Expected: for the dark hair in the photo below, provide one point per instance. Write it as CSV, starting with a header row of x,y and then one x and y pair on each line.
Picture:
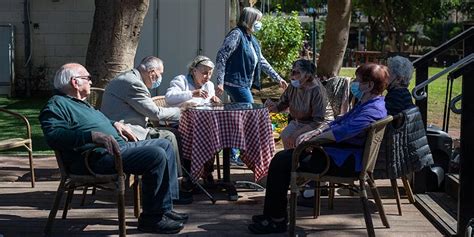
x,y
306,66
375,73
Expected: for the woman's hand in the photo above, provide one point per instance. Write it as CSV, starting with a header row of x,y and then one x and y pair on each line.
x,y
220,89
283,84
125,132
216,100
200,93
271,106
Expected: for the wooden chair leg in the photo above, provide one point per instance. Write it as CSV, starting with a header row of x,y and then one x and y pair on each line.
x,y
394,184
218,166
293,200
137,196
84,194
331,194
368,219
67,203
317,200
408,190
378,201
54,209
121,206
32,167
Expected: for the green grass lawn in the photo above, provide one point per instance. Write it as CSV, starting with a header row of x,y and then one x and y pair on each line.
x,y
31,107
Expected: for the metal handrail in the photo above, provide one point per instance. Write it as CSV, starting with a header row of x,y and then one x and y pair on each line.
x,y
452,104
460,63
443,47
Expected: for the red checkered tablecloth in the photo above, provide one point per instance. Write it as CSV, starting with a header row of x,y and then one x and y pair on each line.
x,y
205,132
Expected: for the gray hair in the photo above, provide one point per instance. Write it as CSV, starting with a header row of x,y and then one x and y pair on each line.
x,y
400,67
200,60
63,75
306,66
248,17
149,63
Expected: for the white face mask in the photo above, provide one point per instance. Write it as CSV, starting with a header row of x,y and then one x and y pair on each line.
x,y
257,26
156,83
296,83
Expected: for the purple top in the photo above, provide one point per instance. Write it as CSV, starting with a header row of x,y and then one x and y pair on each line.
x,y
349,128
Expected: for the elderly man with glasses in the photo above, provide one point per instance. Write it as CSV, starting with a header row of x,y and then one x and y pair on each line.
x,y
71,125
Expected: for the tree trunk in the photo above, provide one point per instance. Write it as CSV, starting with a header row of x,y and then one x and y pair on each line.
x,y
336,37
114,38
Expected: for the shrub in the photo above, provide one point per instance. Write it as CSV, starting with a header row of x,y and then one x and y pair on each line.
x,y
281,39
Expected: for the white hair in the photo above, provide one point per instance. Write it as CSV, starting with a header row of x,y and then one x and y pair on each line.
x,y
63,76
200,60
149,63
400,67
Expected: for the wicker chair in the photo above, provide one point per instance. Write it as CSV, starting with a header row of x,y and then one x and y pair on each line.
x,y
19,140
374,137
95,98
69,182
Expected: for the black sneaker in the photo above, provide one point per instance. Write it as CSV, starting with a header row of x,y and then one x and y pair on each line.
x,y
164,226
260,218
176,216
267,226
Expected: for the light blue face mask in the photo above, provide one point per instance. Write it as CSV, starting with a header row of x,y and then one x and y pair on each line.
x,y
156,83
355,89
257,26
296,83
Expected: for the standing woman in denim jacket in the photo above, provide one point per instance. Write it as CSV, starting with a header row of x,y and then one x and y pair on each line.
x,y
240,61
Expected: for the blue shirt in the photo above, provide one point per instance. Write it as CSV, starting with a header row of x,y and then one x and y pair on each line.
x,y
350,130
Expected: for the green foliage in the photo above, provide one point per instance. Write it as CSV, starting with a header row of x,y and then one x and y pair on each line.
x,y
30,108
281,39
400,14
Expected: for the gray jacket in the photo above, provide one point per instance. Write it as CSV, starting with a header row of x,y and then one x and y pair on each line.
x,y
127,98
404,148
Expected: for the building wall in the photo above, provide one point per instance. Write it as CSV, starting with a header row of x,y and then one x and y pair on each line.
x,y
59,33
174,30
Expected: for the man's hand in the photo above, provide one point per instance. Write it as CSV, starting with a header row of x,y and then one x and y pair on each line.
x,y
283,84
200,93
106,141
125,132
220,89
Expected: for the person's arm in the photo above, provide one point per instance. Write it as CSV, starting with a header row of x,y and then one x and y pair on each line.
x,y
138,97
178,93
284,101
231,42
58,132
268,69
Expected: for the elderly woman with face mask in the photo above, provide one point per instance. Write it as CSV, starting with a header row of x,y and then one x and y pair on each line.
x,y
346,135
306,99
195,87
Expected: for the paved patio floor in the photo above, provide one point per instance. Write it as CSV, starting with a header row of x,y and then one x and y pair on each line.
x,y
24,210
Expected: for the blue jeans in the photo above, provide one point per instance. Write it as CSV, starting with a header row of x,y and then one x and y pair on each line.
x,y
151,159
238,94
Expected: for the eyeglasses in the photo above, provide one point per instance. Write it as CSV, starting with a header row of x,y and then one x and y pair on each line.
x,y
89,78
